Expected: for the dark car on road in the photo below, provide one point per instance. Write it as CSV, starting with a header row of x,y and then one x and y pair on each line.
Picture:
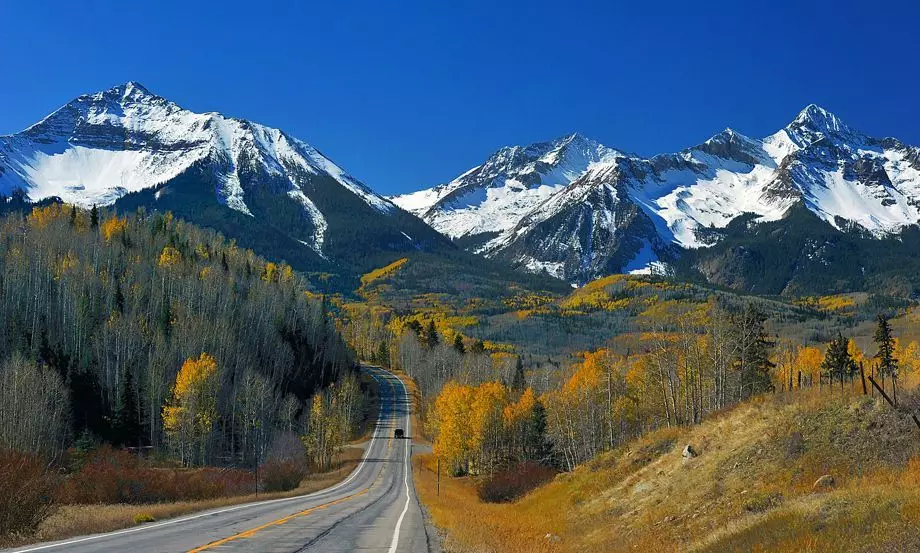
x,y
399,433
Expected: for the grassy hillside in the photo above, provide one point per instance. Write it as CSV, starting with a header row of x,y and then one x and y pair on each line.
x,y
751,488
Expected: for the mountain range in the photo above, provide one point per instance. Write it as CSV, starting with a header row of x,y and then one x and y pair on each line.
x,y
817,205
578,209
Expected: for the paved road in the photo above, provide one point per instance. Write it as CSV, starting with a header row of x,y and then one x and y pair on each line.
x,y
374,510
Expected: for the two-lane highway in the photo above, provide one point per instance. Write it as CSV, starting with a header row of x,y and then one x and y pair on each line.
x,y
375,509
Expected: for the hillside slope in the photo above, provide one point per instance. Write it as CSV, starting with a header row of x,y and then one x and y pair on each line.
x,y
750,488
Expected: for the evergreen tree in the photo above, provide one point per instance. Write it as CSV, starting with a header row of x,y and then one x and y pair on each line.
x,y
382,357
126,424
458,343
518,380
888,365
752,360
415,327
537,446
73,215
94,217
478,347
431,336
837,361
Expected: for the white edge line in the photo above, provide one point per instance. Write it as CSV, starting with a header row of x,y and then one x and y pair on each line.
x,y
395,542
351,477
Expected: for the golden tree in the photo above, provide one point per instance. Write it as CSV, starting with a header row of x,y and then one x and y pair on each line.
x,y
192,409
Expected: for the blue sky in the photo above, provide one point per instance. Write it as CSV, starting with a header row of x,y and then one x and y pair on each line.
x,y
405,95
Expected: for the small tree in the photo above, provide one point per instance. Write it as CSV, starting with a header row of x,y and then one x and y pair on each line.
x,y
888,364
94,217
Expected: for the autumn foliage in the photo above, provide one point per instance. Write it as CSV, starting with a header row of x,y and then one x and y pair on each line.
x,y
191,411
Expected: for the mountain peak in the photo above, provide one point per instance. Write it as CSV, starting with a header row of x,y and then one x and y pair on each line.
x,y
816,118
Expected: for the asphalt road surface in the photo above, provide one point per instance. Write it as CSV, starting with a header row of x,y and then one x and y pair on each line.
x,y
373,510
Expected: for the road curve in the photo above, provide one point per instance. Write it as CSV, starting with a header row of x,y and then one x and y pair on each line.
x,y
373,510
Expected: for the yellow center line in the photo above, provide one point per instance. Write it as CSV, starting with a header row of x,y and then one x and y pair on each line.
x,y
252,531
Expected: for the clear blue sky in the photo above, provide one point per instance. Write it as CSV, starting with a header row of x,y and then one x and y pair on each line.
x,y
405,95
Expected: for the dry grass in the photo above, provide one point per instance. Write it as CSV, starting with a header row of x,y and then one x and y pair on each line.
x,y
77,520
750,489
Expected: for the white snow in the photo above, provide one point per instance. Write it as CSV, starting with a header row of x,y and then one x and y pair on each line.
x,y
102,146
683,194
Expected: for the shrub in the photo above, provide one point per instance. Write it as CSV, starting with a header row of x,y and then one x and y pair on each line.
x,y
142,518
281,476
514,482
26,492
116,476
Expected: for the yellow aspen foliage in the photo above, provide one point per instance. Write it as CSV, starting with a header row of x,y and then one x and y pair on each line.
x,y
270,272
383,272
170,257
808,360
287,273
113,226
856,353
192,409
450,418
42,216
64,264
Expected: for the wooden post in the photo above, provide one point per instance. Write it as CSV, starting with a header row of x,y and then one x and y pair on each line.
x,y
881,391
862,374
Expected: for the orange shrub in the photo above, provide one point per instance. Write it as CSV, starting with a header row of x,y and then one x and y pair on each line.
x,y
26,492
117,476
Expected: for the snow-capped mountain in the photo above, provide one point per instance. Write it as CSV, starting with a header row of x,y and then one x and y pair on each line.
x,y
496,195
130,146
602,211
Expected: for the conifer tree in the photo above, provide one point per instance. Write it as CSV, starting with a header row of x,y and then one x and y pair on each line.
x,y
458,343
518,380
431,335
94,217
838,363
887,363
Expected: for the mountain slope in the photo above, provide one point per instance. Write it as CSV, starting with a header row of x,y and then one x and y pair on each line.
x,y
130,147
614,212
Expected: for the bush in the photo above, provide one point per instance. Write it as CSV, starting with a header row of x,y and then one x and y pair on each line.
x,y
514,482
142,518
281,476
26,492
116,476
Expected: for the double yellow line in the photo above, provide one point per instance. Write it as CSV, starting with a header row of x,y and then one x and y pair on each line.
x,y
252,531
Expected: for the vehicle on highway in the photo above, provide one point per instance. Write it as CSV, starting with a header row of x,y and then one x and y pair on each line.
x,y
399,433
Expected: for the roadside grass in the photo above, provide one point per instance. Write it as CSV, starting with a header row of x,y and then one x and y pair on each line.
x,y
77,520
750,489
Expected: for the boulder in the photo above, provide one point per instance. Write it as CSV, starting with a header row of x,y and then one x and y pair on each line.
x,y
689,452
